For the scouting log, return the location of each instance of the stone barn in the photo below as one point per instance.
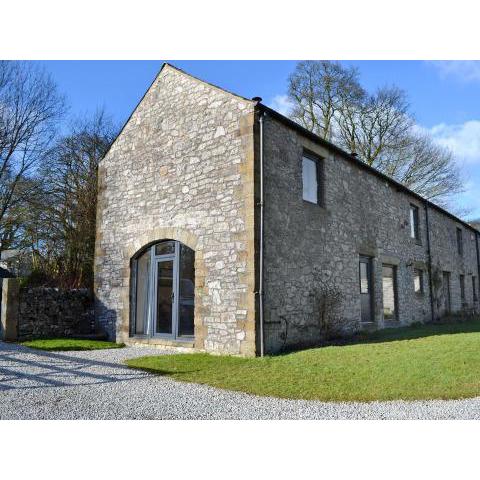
(223, 226)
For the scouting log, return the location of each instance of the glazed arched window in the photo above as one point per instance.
(163, 291)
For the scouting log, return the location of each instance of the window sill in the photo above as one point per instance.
(313, 204)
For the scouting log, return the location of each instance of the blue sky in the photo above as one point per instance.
(445, 96)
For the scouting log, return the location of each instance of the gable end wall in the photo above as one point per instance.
(182, 169)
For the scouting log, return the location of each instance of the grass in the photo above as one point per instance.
(424, 362)
(70, 344)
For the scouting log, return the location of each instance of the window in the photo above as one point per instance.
(414, 227)
(418, 280)
(459, 241)
(474, 288)
(311, 174)
(389, 287)
(364, 277)
(462, 287)
(163, 295)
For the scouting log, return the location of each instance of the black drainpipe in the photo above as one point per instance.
(429, 253)
(261, 233)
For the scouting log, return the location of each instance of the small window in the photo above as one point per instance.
(414, 227)
(418, 280)
(474, 288)
(460, 241)
(462, 287)
(311, 175)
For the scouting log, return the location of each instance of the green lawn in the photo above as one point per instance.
(432, 361)
(70, 344)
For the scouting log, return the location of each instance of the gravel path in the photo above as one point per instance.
(96, 385)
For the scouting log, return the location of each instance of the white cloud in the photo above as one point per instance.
(463, 139)
(465, 70)
(282, 104)
(469, 199)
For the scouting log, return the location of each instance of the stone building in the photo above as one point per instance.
(225, 227)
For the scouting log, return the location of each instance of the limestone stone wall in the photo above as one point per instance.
(52, 312)
(445, 257)
(362, 215)
(182, 169)
(29, 313)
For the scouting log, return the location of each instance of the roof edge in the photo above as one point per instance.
(133, 111)
(179, 70)
(166, 64)
(332, 147)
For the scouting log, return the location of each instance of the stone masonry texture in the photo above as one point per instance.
(361, 214)
(40, 312)
(54, 313)
(182, 169)
(186, 167)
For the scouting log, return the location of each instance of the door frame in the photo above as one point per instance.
(396, 316)
(152, 293)
(369, 263)
(156, 260)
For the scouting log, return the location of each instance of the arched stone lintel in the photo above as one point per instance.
(156, 235)
(162, 233)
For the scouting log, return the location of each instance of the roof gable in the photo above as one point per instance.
(169, 69)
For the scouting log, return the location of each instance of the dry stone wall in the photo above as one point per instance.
(29, 313)
(52, 312)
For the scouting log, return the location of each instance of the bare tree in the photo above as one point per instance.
(475, 223)
(317, 90)
(329, 100)
(61, 228)
(30, 107)
(425, 167)
(375, 125)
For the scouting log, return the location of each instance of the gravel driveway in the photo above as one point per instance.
(96, 385)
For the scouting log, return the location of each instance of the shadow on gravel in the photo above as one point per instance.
(22, 368)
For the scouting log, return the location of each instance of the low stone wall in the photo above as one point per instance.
(41, 312)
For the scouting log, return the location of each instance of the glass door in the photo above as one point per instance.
(165, 297)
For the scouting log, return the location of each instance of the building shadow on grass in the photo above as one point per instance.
(412, 332)
(394, 334)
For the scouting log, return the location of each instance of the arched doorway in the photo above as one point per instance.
(163, 291)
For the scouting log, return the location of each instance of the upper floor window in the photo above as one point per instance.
(414, 226)
(460, 241)
(311, 176)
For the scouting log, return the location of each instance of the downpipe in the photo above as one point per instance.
(260, 281)
(429, 254)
